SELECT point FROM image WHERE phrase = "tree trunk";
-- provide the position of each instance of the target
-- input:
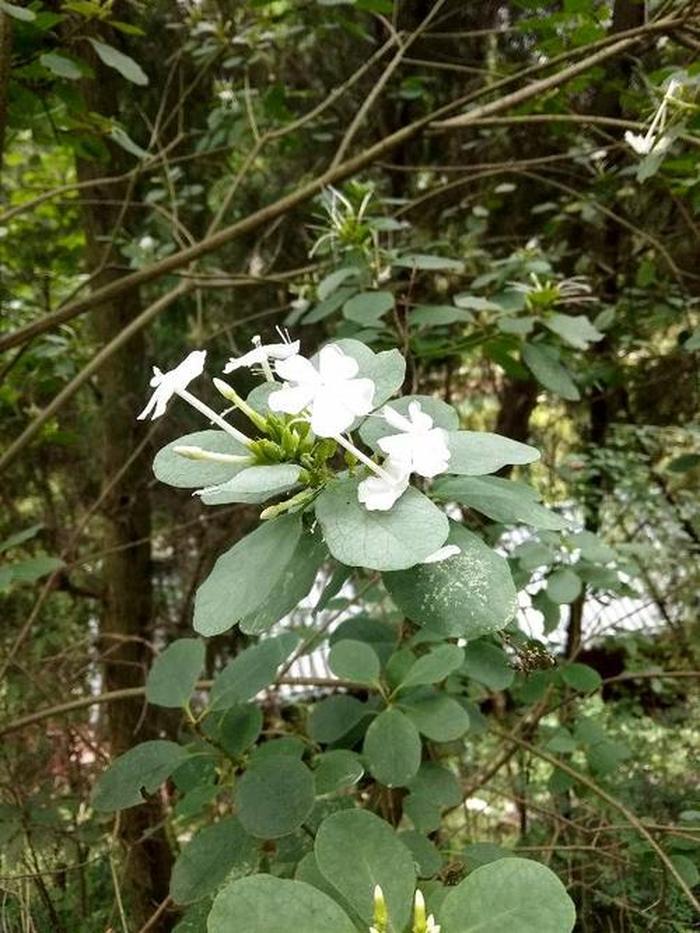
(125, 624)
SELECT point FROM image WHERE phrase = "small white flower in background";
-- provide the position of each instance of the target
(147, 243)
(172, 383)
(654, 139)
(642, 145)
(263, 353)
(332, 394)
(443, 553)
(378, 494)
(227, 96)
(422, 447)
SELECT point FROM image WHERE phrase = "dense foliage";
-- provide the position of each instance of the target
(385, 619)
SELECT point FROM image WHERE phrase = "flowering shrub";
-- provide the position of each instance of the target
(351, 480)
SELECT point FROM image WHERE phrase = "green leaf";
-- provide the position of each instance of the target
(329, 305)
(402, 537)
(487, 664)
(436, 783)
(577, 331)
(223, 850)
(176, 470)
(436, 716)
(392, 748)
(591, 547)
(331, 282)
(237, 728)
(438, 316)
(19, 537)
(381, 636)
(543, 363)
(122, 63)
(61, 66)
(550, 611)
(246, 576)
(17, 12)
(387, 369)
(253, 484)
(581, 677)
(476, 453)
(368, 308)
(562, 742)
(475, 303)
(426, 856)
(251, 670)
(428, 263)
(687, 869)
(30, 570)
(354, 660)
(356, 850)
(434, 666)
(274, 796)
(443, 415)
(468, 595)
(501, 500)
(335, 716)
(292, 586)
(122, 138)
(563, 586)
(509, 894)
(174, 674)
(265, 904)
(336, 770)
(423, 812)
(145, 767)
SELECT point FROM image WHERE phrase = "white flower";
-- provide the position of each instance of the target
(420, 446)
(642, 145)
(262, 354)
(443, 553)
(332, 394)
(378, 494)
(172, 383)
(147, 243)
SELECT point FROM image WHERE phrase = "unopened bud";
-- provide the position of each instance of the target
(230, 394)
(381, 913)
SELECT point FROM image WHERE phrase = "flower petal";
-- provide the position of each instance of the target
(396, 420)
(297, 369)
(329, 415)
(335, 366)
(291, 399)
(357, 395)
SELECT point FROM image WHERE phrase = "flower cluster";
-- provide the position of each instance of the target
(311, 405)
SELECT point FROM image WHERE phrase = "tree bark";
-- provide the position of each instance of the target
(125, 623)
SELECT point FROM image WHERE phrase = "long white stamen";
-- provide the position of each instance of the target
(363, 458)
(213, 416)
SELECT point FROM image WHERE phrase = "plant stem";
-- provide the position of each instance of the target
(213, 416)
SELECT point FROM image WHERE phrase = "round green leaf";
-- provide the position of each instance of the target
(246, 576)
(501, 500)
(214, 854)
(509, 894)
(251, 671)
(581, 677)
(275, 796)
(434, 666)
(368, 308)
(468, 595)
(145, 767)
(264, 904)
(354, 660)
(174, 674)
(437, 716)
(475, 453)
(335, 716)
(487, 664)
(436, 783)
(563, 586)
(336, 770)
(392, 748)
(402, 537)
(356, 850)
(426, 856)
(176, 470)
